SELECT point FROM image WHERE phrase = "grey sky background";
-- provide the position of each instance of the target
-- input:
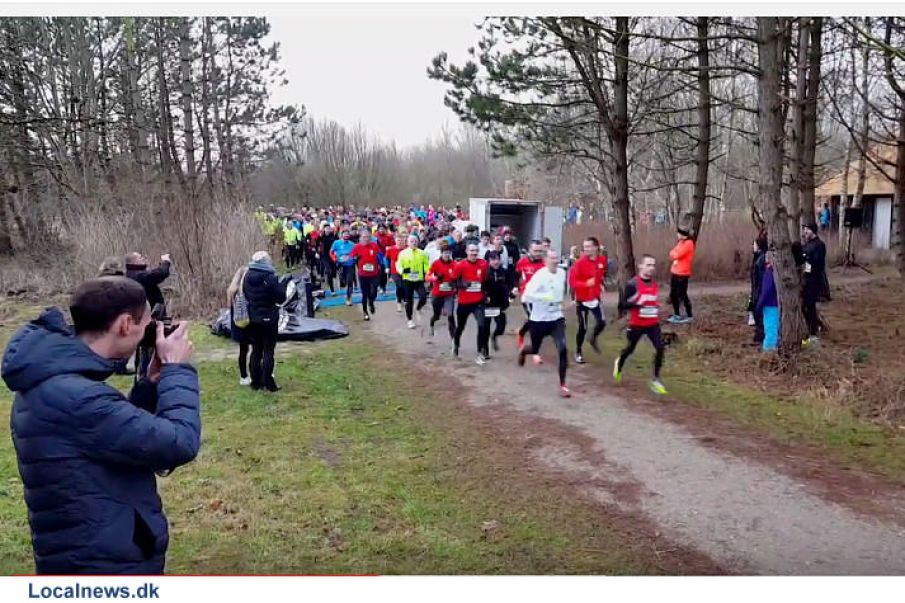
(371, 69)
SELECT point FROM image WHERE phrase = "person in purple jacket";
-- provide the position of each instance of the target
(768, 306)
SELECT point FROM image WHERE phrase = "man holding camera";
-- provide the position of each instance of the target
(150, 280)
(86, 453)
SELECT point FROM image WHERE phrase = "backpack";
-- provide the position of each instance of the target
(240, 306)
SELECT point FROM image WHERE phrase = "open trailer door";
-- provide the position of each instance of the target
(552, 226)
(478, 213)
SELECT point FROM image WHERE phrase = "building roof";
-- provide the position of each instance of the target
(875, 182)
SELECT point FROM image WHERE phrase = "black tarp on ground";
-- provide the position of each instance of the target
(294, 324)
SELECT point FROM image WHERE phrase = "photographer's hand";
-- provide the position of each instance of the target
(175, 349)
(166, 258)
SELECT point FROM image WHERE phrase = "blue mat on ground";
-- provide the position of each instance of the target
(339, 298)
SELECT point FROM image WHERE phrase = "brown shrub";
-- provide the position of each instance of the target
(723, 249)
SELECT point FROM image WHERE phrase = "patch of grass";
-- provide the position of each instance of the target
(343, 471)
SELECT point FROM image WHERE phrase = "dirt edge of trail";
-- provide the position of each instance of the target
(513, 441)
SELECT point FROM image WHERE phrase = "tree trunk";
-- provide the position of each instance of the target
(899, 200)
(808, 184)
(771, 134)
(801, 83)
(185, 64)
(206, 75)
(900, 189)
(702, 154)
(622, 232)
(864, 141)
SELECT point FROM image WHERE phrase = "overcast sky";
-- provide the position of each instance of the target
(371, 69)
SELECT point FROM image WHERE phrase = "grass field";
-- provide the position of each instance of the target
(349, 470)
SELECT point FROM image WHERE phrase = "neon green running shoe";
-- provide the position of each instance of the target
(617, 373)
(657, 387)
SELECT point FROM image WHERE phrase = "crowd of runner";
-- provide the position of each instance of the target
(434, 255)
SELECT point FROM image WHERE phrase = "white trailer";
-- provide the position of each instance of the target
(527, 219)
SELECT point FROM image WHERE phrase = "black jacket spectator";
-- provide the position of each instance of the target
(150, 280)
(264, 293)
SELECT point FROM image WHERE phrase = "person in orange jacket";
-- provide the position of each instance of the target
(682, 256)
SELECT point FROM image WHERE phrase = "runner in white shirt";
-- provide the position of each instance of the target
(544, 294)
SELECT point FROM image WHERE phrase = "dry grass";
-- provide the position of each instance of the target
(723, 250)
(858, 368)
(207, 245)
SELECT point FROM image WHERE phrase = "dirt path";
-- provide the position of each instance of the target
(749, 516)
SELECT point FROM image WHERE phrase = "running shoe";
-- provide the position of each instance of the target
(455, 350)
(432, 330)
(617, 372)
(579, 359)
(480, 360)
(373, 309)
(411, 324)
(367, 317)
(496, 344)
(245, 381)
(657, 387)
(348, 302)
(398, 307)
(564, 392)
(674, 319)
(686, 320)
(536, 359)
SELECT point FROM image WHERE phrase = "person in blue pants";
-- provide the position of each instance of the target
(768, 307)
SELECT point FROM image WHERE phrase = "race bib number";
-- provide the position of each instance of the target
(445, 287)
(491, 312)
(368, 268)
(343, 258)
(807, 267)
(473, 287)
(413, 276)
(591, 304)
(553, 307)
(649, 312)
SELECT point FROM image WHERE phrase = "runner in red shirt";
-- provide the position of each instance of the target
(392, 254)
(639, 298)
(443, 294)
(471, 274)
(385, 240)
(368, 257)
(525, 268)
(586, 280)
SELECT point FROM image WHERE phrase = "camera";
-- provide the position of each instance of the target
(158, 315)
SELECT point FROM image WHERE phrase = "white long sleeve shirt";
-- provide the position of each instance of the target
(544, 293)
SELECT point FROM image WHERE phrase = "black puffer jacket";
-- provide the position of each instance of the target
(264, 293)
(497, 287)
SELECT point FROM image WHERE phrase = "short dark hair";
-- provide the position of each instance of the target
(98, 302)
(536, 242)
(547, 240)
(484, 233)
(594, 241)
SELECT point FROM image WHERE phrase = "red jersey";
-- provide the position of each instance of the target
(584, 271)
(368, 264)
(443, 275)
(471, 276)
(647, 311)
(392, 254)
(386, 241)
(526, 269)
